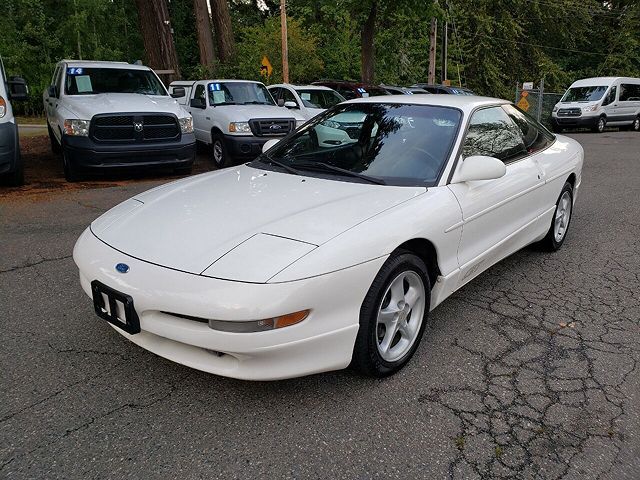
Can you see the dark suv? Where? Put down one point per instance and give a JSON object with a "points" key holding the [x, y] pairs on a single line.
{"points": [[444, 89], [351, 90]]}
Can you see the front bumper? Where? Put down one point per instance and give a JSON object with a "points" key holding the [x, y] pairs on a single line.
{"points": [[575, 122], [85, 154], [245, 147], [323, 341], [9, 147]]}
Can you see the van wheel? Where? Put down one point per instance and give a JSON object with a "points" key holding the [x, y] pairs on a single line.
{"points": [[55, 146], [219, 153], [599, 127], [635, 126]]}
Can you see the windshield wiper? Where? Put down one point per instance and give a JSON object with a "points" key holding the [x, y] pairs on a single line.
{"points": [[264, 158], [332, 168], [255, 102]]}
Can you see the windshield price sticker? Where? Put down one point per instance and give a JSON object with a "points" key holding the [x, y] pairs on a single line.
{"points": [[215, 87], [74, 71], [83, 83]]}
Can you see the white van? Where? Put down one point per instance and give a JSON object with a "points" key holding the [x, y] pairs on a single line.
{"points": [[11, 168], [599, 102], [235, 117]]}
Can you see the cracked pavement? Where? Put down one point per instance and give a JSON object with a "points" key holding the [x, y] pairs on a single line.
{"points": [[530, 371]]}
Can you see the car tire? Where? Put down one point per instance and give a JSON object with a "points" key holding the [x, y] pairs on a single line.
{"points": [[70, 173], [600, 125], [16, 178], [55, 146], [219, 152], [561, 220], [392, 319], [635, 126]]}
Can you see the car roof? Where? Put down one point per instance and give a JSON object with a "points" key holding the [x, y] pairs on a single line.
{"points": [[101, 64], [599, 81], [296, 87], [466, 103], [348, 83]]}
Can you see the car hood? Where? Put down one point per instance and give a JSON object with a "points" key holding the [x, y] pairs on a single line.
{"points": [[241, 223], [244, 113], [86, 106]]}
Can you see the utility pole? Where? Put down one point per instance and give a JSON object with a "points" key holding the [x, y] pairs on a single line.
{"points": [[445, 41], [285, 47], [432, 51]]}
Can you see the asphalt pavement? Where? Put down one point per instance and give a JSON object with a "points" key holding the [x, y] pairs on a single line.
{"points": [[530, 371]]}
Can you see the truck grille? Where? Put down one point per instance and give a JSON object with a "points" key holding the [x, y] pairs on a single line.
{"points": [[569, 112], [268, 127], [132, 128]]}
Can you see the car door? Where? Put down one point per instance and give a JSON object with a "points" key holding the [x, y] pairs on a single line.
{"points": [[609, 104], [201, 125], [498, 215], [57, 120]]}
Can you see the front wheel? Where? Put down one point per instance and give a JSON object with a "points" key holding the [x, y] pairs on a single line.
{"points": [[393, 316], [635, 126], [561, 220], [599, 126], [55, 146], [70, 173], [219, 152], [16, 178]]}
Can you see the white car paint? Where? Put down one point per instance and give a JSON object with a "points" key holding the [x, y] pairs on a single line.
{"points": [[84, 107], [247, 243]]}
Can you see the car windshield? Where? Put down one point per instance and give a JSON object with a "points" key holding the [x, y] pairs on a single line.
{"points": [[317, 98], [91, 81], [372, 91], [398, 144], [239, 93], [584, 94]]}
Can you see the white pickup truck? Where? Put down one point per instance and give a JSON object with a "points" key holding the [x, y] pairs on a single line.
{"points": [[235, 117], [11, 168], [104, 115]]}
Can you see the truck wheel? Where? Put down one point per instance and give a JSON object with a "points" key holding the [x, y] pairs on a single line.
{"points": [[16, 178], [70, 173], [55, 146], [219, 152]]}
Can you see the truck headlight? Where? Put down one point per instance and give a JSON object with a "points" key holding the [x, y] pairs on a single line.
{"points": [[78, 128], [239, 127], [3, 107], [186, 124], [591, 108], [555, 108]]}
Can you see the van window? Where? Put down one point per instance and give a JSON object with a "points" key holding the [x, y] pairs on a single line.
{"points": [[584, 94], [630, 92], [611, 96]]}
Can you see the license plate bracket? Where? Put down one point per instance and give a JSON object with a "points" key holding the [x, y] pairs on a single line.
{"points": [[116, 306]]}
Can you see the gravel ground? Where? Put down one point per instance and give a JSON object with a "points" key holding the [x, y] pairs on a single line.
{"points": [[528, 372]]}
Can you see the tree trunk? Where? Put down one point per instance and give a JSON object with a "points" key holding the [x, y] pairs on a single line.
{"points": [[367, 47], [203, 27], [157, 36], [222, 26]]}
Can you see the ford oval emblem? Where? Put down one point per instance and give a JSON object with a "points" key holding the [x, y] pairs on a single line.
{"points": [[122, 267]]}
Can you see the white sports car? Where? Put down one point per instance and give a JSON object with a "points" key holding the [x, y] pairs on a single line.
{"points": [[332, 247]]}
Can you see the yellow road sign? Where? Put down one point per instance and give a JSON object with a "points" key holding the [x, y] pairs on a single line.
{"points": [[523, 104], [265, 67]]}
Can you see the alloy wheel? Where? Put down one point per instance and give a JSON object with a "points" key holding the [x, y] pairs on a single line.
{"points": [[563, 215], [218, 153]]}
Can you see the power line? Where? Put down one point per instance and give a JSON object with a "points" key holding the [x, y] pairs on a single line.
{"points": [[539, 46]]}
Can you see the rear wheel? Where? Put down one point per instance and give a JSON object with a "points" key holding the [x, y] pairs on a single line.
{"points": [[393, 316], [635, 126], [599, 126], [560, 221], [219, 152]]}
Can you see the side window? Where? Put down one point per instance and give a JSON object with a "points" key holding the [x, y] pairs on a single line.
{"points": [[347, 93], [492, 133], [275, 93], [287, 96], [630, 92], [199, 93], [534, 135], [55, 75], [59, 80], [610, 98]]}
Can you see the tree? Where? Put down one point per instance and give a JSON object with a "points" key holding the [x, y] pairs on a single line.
{"points": [[157, 37], [223, 29], [203, 27]]}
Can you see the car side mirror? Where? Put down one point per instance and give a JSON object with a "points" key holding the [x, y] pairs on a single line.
{"points": [[290, 104], [281, 102], [479, 167], [178, 92], [18, 89], [269, 144], [197, 103], [53, 91]]}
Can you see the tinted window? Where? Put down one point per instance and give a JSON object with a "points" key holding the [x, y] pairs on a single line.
{"points": [[239, 93], [287, 96], [89, 81], [275, 92], [313, 98], [611, 96], [629, 92], [492, 133], [399, 144], [584, 94], [199, 93], [534, 135], [347, 93]]}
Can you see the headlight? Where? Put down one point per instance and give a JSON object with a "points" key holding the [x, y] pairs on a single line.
{"points": [[78, 128], [3, 107], [186, 124], [239, 127], [555, 109], [331, 124], [259, 325], [592, 108]]}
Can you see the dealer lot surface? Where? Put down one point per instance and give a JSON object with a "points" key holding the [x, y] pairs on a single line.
{"points": [[530, 371]]}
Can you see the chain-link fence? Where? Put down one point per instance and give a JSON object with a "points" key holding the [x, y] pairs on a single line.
{"points": [[537, 102]]}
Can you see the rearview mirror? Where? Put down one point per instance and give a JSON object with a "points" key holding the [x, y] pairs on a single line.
{"points": [[479, 167], [281, 102], [178, 92], [269, 144], [18, 89], [197, 103], [290, 104]]}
